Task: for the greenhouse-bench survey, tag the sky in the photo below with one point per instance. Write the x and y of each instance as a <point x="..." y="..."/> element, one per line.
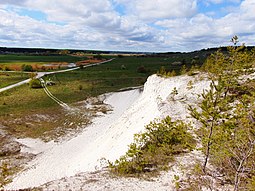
<point x="126" y="25"/>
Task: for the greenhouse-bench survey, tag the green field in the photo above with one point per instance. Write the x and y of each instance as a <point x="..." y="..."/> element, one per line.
<point x="20" y="103"/>
<point x="11" y="78"/>
<point x="78" y="85"/>
<point x="15" y="62"/>
<point x="21" y="59"/>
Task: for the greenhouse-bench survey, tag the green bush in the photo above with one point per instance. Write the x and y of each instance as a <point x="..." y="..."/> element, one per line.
<point x="6" y="68"/>
<point x="80" y="87"/>
<point x="35" y="83"/>
<point x="164" y="73"/>
<point x="4" y="175"/>
<point x="155" y="148"/>
<point x="27" y="68"/>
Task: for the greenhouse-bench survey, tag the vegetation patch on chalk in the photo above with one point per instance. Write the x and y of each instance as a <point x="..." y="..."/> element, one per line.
<point x="154" y="149"/>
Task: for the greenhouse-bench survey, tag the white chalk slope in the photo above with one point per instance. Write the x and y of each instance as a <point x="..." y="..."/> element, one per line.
<point x="109" y="136"/>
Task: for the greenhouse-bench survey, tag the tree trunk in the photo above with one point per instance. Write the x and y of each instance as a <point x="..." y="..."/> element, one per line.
<point x="208" y="147"/>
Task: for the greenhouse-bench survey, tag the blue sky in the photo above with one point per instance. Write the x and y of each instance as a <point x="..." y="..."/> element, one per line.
<point x="129" y="25"/>
<point x="214" y="10"/>
<point x="37" y="15"/>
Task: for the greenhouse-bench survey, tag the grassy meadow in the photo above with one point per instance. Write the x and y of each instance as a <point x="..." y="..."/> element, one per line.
<point x="11" y="78"/>
<point x="15" y="61"/>
<point x="77" y="85"/>
<point x="71" y="87"/>
<point x="21" y="59"/>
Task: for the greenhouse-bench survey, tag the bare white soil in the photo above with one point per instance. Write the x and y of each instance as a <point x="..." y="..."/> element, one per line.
<point x="108" y="138"/>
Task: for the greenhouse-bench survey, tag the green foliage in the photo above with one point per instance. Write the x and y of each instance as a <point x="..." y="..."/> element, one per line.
<point x="4" y="175"/>
<point x="236" y="156"/>
<point x="164" y="73"/>
<point x="155" y="148"/>
<point x="227" y="118"/>
<point x="213" y="111"/>
<point x="32" y="75"/>
<point x="174" y="93"/>
<point x="193" y="70"/>
<point x="6" y="68"/>
<point x="27" y="68"/>
<point x="35" y="83"/>
<point x="96" y="80"/>
<point x="98" y="56"/>
<point x="190" y="85"/>
<point x="40" y="59"/>
<point x="195" y="61"/>
<point x="80" y="87"/>
<point x="251" y="184"/>
<point x="64" y="52"/>
<point x="183" y="70"/>
<point x="176" y="180"/>
<point x="7" y="78"/>
<point x="238" y="60"/>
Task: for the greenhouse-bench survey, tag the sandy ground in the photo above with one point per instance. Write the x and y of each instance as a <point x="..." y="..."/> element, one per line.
<point x="103" y="181"/>
<point x="69" y="165"/>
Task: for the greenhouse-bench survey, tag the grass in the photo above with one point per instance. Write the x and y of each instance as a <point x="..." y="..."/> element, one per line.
<point x="11" y="78"/>
<point x="105" y="78"/>
<point x="94" y="81"/>
<point x="14" y="62"/>
<point x="26" y="59"/>
<point x="72" y="87"/>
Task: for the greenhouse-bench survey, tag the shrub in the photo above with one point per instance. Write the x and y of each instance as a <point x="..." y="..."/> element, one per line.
<point x="35" y="83"/>
<point x="80" y="87"/>
<point x="123" y="67"/>
<point x="155" y="148"/>
<point x="6" y="68"/>
<point x="174" y="92"/>
<point x="164" y="73"/>
<point x="190" y="85"/>
<point x="4" y="174"/>
<point x="32" y="75"/>
<point x="27" y="68"/>
<point x="183" y="70"/>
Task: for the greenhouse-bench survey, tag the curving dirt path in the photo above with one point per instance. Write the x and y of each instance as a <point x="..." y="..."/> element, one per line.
<point x="58" y="101"/>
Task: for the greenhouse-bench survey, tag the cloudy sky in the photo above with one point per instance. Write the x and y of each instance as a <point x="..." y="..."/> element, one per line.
<point x="129" y="25"/>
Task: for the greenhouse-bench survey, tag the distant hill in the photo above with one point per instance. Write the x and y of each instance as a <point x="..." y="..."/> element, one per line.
<point x="46" y="51"/>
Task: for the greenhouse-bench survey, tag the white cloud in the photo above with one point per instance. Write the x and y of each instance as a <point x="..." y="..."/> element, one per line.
<point x="221" y="1"/>
<point x="160" y="9"/>
<point x="247" y="9"/>
<point x="202" y="31"/>
<point x="12" y="2"/>
<point x="147" y="25"/>
<point x="70" y="10"/>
